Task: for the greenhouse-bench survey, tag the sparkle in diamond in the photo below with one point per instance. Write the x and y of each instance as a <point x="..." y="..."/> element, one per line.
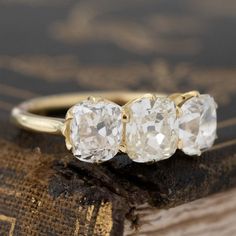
<point x="197" y="125"/>
<point x="96" y="130"/>
<point x="152" y="131"/>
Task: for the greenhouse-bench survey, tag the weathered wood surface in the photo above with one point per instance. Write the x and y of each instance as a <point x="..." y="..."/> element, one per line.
<point x="214" y="215"/>
<point x="52" y="193"/>
<point x="164" y="46"/>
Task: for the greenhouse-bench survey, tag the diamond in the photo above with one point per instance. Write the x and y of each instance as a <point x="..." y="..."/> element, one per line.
<point x="96" y="130"/>
<point x="152" y="130"/>
<point x="197" y="124"/>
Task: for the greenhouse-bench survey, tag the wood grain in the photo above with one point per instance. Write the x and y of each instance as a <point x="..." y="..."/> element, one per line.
<point x="214" y="215"/>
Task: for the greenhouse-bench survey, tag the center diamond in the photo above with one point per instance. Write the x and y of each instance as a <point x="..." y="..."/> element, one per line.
<point x="152" y="130"/>
<point x="96" y="130"/>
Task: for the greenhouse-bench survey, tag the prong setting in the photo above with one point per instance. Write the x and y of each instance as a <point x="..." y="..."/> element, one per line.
<point x="66" y="128"/>
<point x="180" y="144"/>
<point x="93" y="129"/>
<point x="126" y="119"/>
<point x="123" y="148"/>
<point x="148" y="137"/>
<point x="178" y="111"/>
<point x="181" y="98"/>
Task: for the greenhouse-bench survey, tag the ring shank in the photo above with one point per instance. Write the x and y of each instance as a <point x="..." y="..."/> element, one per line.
<point x="25" y="115"/>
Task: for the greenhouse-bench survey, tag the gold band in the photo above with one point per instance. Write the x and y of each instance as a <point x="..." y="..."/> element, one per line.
<point x="26" y="115"/>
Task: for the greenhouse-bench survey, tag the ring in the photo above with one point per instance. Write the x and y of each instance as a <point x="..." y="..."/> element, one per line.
<point x="149" y="127"/>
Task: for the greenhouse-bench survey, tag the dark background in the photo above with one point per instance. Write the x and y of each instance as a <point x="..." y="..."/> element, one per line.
<point x="57" y="46"/>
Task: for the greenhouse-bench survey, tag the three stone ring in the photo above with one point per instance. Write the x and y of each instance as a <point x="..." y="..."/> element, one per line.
<point x="147" y="127"/>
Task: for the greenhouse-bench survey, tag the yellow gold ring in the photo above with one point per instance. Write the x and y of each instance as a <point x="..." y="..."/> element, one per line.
<point x="148" y="127"/>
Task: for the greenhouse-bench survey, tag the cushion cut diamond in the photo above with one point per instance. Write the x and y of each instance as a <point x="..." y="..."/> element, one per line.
<point x="197" y="124"/>
<point x="152" y="130"/>
<point x="96" y="130"/>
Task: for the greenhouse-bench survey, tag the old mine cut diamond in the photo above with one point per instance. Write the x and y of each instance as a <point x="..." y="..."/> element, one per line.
<point x="152" y="130"/>
<point x="96" y="130"/>
<point x="197" y="124"/>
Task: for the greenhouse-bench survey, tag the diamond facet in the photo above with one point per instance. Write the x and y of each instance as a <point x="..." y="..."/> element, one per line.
<point x="197" y="124"/>
<point x="152" y="130"/>
<point x="96" y="130"/>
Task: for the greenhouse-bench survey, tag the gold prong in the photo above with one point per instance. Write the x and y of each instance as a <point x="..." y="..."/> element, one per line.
<point x="65" y="130"/>
<point x="193" y="93"/>
<point x="69" y="114"/>
<point x="180" y="144"/>
<point x="92" y="99"/>
<point x="66" y="133"/>
<point x="125" y="120"/>
<point x="179" y="112"/>
<point x="149" y="95"/>
<point x="68" y="145"/>
<point x="125" y="117"/>
<point x="123" y="148"/>
<point x="180" y="98"/>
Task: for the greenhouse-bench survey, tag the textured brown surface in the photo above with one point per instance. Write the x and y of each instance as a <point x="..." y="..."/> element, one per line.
<point x="213" y="215"/>
<point x="53" y="47"/>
